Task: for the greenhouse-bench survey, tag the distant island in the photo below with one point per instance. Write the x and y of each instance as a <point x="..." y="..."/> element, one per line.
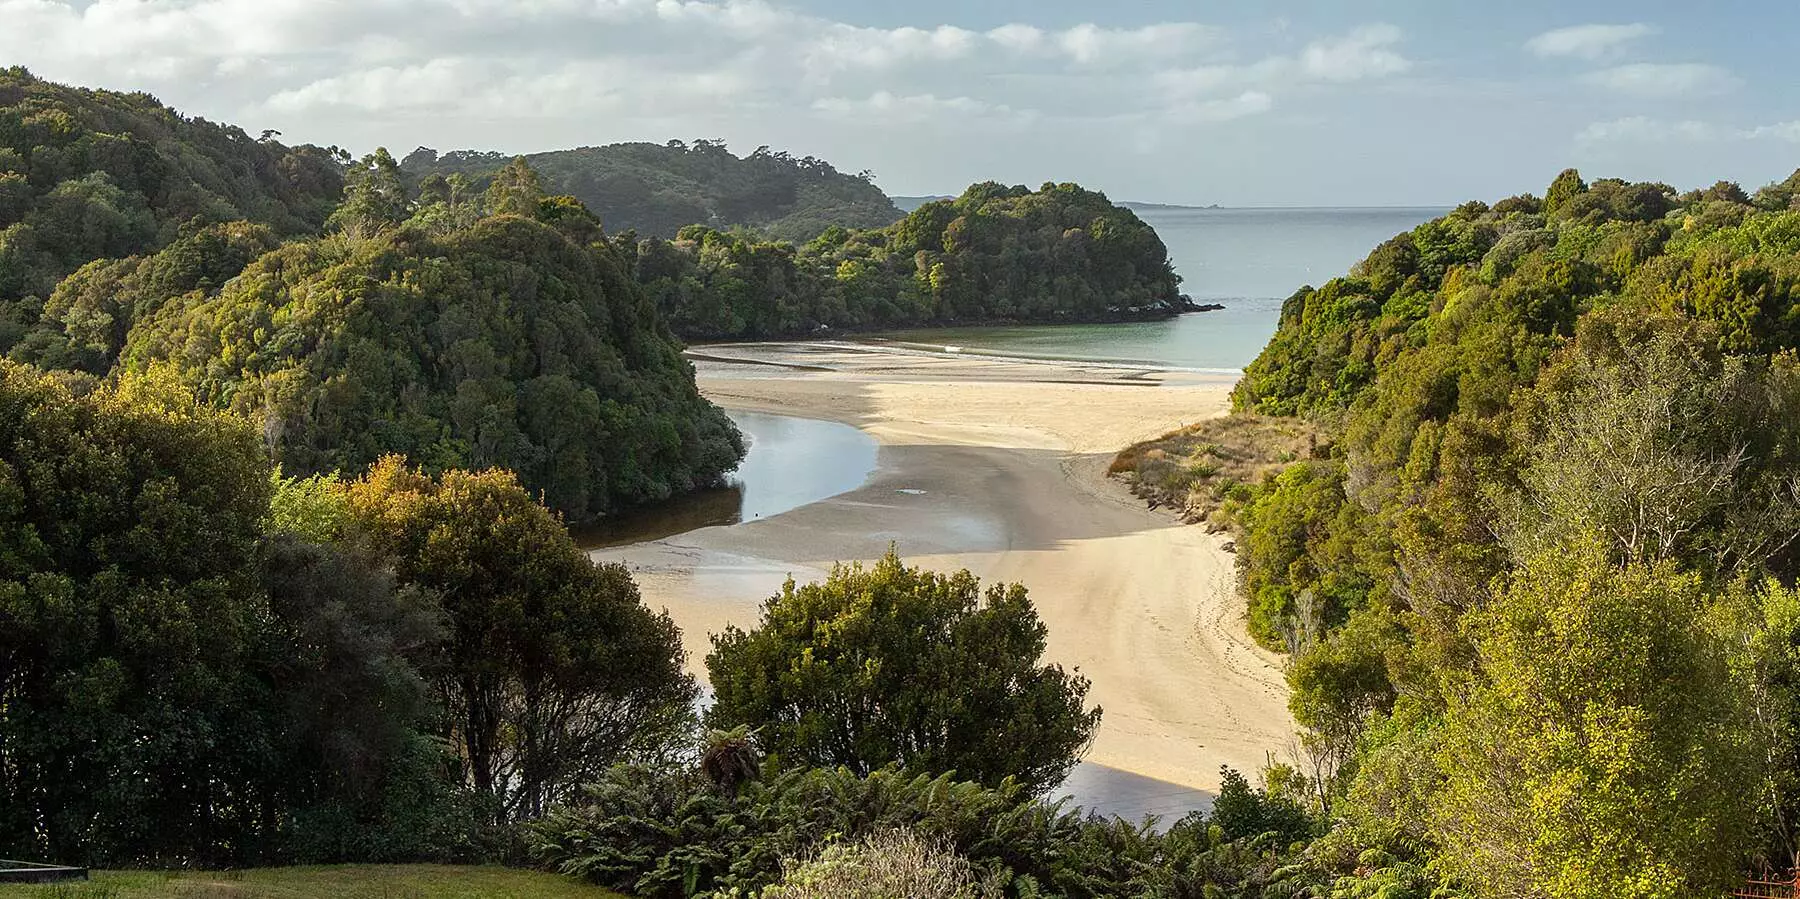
<point x="996" y="254"/>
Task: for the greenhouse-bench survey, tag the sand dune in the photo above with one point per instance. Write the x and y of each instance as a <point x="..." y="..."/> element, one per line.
<point x="999" y="467"/>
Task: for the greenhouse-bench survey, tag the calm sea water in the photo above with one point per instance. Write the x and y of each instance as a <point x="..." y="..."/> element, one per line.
<point x="1249" y="260"/>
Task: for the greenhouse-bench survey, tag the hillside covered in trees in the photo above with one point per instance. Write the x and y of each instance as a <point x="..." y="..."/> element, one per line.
<point x="503" y="333"/>
<point x="348" y="314"/>
<point x="996" y="253"/>
<point x="93" y="174"/>
<point x="658" y="189"/>
<point x="1536" y="570"/>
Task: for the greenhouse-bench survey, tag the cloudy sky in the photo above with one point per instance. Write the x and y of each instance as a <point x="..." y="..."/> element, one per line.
<point x="1239" y="103"/>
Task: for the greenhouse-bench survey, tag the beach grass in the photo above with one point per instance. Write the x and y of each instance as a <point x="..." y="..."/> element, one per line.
<point x="335" y="882"/>
<point x="1200" y="470"/>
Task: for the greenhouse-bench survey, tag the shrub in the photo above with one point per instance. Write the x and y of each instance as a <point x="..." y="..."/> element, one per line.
<point x="884" y="865"/>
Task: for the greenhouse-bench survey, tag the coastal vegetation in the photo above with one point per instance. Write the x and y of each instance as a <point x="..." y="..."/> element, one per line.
<point x="88" y="175"/>
<point x="499" y="332"/>
<point x="347" y="313"/>
<point x="1535" y="573"/>
<point x="996" y="253"/>
<point x="658" y="189"/>
<point x="890" y="664"/>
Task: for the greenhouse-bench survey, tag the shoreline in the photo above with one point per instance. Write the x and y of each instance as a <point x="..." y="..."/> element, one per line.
<point x="999" y="466"/>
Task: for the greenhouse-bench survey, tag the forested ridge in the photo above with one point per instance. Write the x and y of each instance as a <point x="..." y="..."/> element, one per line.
<point x="994" y="254"/>
<point x="94" y="174"/>
<point x="1536" y="568"/>
<point x="658" y="189"/>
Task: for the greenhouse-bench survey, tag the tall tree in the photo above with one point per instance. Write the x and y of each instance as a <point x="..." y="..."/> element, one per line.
<point x="551" y="668"/>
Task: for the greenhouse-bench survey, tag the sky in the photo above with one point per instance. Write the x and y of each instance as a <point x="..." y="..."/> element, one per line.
<point x="1422" y="102"/>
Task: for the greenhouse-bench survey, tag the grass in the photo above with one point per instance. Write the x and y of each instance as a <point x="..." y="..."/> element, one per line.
<point x="1199" y="470"/>
<point x="347" y="882"/>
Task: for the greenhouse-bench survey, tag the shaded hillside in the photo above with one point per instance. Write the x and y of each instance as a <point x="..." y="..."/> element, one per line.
<point x="658" y="189"/>
<point x="92" y="174"/>
<point x="997" y="253"/>
<point x="501" y="335"/>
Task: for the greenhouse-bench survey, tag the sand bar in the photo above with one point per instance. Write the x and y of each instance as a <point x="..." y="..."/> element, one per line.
<point x="999" y="467"/>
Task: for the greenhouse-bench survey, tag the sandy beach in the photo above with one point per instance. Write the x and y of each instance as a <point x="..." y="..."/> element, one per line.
<point x="998" y="466"/>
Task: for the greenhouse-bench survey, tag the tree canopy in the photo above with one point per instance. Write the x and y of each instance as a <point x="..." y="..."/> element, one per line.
<point x="889" y="664"/>
<point x="92" y="174"/>
<point x="997" y="253"/>
<point x="659" y="189"/>
<point x="1534" y="564"/>
<point x="459" y="341"/>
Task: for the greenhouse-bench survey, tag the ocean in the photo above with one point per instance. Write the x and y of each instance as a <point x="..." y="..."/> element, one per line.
<point x="1248" y="260"/>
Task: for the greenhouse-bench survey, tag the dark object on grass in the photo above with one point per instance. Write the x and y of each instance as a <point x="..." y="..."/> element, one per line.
<point x="29" y="872"/>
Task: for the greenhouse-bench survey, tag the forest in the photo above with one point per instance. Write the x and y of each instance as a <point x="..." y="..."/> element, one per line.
<point x="1534" y="557"/>
<point x="994" y="254"/>
<point x="658" y="189"/>
<point x="349" y="314"/>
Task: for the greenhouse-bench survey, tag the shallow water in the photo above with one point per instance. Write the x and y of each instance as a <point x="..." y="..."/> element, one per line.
<point x="792" y="462"/>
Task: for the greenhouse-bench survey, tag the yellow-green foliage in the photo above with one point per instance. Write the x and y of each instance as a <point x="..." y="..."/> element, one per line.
<point x="1606" y="752"/>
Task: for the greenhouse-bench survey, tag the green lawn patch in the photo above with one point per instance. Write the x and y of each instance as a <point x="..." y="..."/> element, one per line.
<point x="338" y="882"/>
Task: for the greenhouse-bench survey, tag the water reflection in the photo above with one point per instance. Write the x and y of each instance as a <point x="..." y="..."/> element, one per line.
<point x="792" y="462"/>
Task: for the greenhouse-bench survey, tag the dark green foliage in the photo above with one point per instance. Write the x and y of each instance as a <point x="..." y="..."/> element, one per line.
<point x="132" y="726"/>
<point x="658" y="189"/>
<point x="88" y="175"/>
<point x="662" y="836"/>
<point x="363" y="782"/>
<point x="895" y="665"/>
<point x="549" y="668"/>
<point x="1241" y="812"/>
<point x="509" y="342"/>
<point x="1061" y="254"/>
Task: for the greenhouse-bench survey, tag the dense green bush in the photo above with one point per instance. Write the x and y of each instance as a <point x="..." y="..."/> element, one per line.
<point x="1603" y="376"/>
<point x="90" y="174"/>
<point x="658" y="189"/>
<point x="895" y="665"/>
<point x="997" y="253"/>
<point x="508" y="341"/>
<point x="661" y="835"/>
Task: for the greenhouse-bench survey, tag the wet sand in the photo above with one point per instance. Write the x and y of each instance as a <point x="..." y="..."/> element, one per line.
<point x="999" y="467"/>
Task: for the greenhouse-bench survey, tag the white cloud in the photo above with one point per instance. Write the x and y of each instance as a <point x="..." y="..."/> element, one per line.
<point x="1223" y="109"/>
<point x="1642" y="129"/>
<point x="1591" y="42"/>
<point x="1091" y="44"/>
<point x="1366" y="52"/>
<point x="847" y="46"/>
<point x="490" y="89"/>
<point x="886" y="107"/>
<point x="520" y="75"/>
<point x="1666" y="80"/>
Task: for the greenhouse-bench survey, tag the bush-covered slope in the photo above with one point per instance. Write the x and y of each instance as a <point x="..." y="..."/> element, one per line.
<point x="507" y="342"/>
<point x="91" y="174"/>
<point x="997" y="253"/>
<point x="1533" y="570"/>
<point x="658" y="189"/>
